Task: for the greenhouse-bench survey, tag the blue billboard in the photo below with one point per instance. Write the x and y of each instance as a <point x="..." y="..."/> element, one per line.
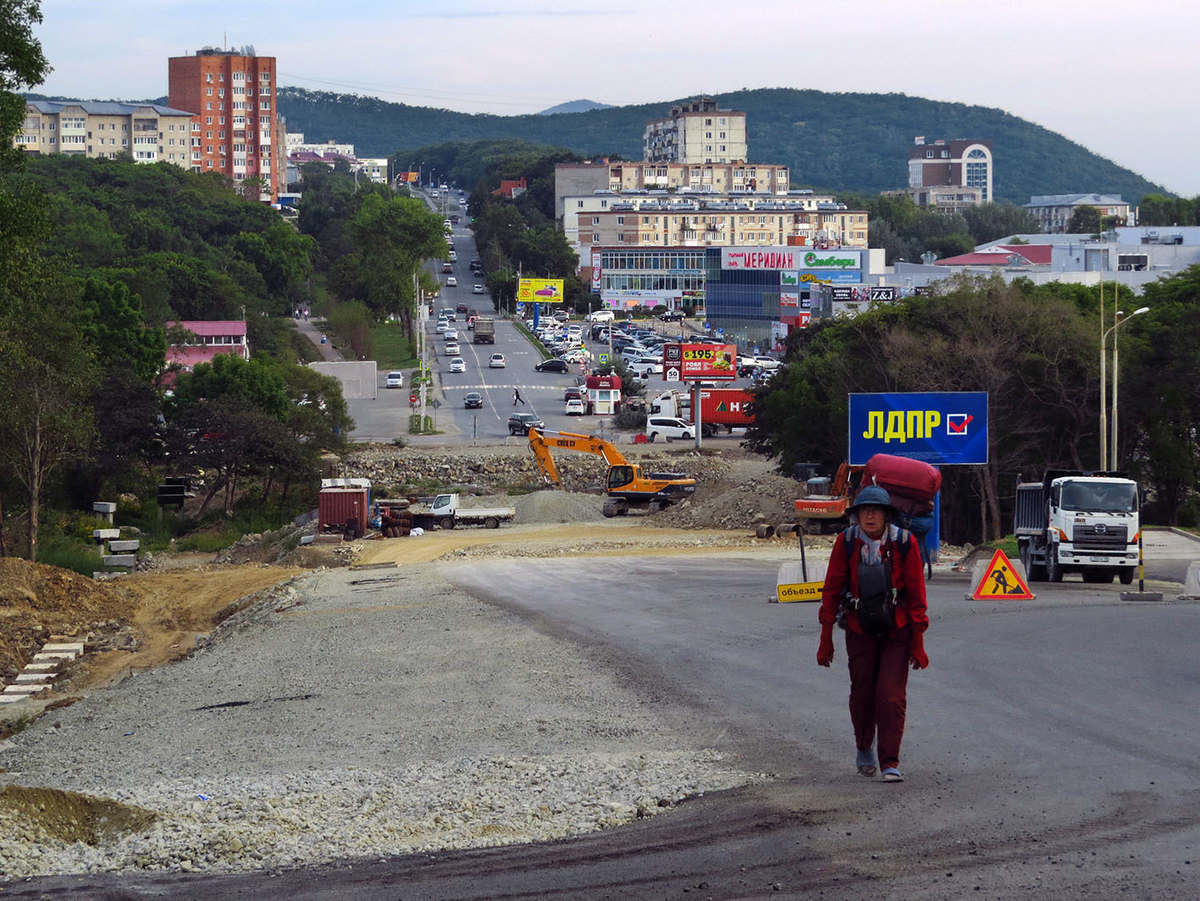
<point x="941" y="427"/>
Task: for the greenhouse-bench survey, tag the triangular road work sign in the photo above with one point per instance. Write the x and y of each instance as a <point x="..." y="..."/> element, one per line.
<point x="1001" y="582"/>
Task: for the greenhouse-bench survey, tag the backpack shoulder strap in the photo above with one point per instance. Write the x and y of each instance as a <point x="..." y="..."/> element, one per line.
<point x="848" y="535"/>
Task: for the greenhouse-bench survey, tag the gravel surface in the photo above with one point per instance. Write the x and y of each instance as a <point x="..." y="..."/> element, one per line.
<point x="347" y="714"/>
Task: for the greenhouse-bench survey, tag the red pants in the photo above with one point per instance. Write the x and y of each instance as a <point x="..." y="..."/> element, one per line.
<point x="878" y="680"/>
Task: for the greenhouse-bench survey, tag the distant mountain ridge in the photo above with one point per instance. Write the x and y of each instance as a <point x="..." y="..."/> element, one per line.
<point x="575" y="106"/>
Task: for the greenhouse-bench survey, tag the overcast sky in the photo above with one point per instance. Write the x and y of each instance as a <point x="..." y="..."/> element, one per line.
<point x="1120" y="79"/>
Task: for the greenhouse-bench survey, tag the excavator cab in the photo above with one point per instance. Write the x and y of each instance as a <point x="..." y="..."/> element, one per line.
<point x="619" y="477"/>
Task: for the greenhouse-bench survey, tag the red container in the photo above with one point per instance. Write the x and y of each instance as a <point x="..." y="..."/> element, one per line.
<point x="335" y="506"/>
<point x="912" y="484"/>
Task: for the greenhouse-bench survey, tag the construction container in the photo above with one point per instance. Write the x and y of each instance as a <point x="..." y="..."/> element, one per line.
<point x="343" y="510"/>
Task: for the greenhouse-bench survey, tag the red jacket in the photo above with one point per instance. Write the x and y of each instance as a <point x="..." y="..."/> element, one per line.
<point x="908" y="578"/>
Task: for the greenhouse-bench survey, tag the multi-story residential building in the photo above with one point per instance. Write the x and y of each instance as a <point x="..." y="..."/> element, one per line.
<point x="951" y="164"/>
<point x="580" y="213"/>
<point x="1054" y="211"/>
<point x="946" y="199"/>
<point x="576" y="179"/>
<point x="235" y="130"/>
<point x="676" y="223"/>
<point x="696" y="132"/>
<point x="145" y="132"/>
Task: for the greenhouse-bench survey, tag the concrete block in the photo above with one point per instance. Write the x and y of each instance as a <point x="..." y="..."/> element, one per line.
<point x="104" y="507"/>
<point x="35" y="678"/>
<point x="43" y="656"/>
<point x="105" y="534"/>
<point x="12" y="699"/>
<point x="76" y="646"/>
<point x="118" y="559"/>
<point x="25" y="689"/>
<point x="49" y="666"/>
<point x="1191" y="583"/>
<point x="120" y="547"/>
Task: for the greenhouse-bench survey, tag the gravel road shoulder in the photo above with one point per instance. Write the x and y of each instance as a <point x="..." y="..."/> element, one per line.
<point x="349" y="714"/>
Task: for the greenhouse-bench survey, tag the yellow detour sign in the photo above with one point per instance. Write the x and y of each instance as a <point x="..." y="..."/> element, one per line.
<point x="1001" y="582"/>
<point x="792" y="584"/>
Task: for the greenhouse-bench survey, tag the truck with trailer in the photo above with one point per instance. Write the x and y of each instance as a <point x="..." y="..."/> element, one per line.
<point x="485" y="330"/>
<point x="720" y="408"/>
<point x="1075" y="521"/>
<point x="443" y="511"/>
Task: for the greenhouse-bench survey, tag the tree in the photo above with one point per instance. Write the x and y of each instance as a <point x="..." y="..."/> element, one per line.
<point x="1085" y="220"/>
<point x="111" y="319"/>
<point x="22" y="65"/>
<point x="991" y="221"/>
<point x="229" y="379"/>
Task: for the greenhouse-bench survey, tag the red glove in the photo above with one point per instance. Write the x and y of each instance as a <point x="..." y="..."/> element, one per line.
<point x="916" y="650"/>
<point x="825" y="650"/>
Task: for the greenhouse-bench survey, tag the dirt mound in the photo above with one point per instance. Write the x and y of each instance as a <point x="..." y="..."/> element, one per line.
<point x="37" y="601"/>
<point x="554" y="506"/>
<point x="69" y="816"/>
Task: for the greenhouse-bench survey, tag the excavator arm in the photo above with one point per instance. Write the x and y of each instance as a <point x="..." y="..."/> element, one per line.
<point x="541" y="440"/>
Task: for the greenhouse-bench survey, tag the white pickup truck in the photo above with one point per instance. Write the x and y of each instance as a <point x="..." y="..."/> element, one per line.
<point x="444" y="512"/>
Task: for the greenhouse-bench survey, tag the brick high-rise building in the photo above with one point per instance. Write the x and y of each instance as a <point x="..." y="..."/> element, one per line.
<point x="235" y="129"/>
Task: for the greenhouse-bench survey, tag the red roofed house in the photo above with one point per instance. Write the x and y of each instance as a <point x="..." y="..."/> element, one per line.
<point x="1005" y="256"/>
<point x="217" y="336"/>
<point x="510" y="188"/>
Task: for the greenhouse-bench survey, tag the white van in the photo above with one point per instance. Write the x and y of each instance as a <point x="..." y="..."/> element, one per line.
<point x="601" y="316"/>
<point x="667" y="427"/>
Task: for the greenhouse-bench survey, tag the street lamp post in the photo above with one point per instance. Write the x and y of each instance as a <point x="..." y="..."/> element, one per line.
<point x="1117" y="322"/>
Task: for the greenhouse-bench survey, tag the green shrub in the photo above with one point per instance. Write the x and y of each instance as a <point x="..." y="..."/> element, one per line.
<point x="69" y="553"/>
<point x="629" y="421"/>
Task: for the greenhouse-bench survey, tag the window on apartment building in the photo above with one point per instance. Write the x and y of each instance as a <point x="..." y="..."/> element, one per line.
<point x="208" y="105"/>
<point x="221" y="76"/>
<point x="620" y="220"/>
<point x="595" y="237"/>
<point x="220" y="120"/>
<point x="220" y="135"/>
<point x="239" y="104"/>
<point x="220" y="105"/>
<point x="708" y="135"/>
<point x="208" y="134"/>
<point x="264" y="105"/>
<point x="208" y="92"/>
<point x="208" y="77"/>
<point x="208" y="149"/>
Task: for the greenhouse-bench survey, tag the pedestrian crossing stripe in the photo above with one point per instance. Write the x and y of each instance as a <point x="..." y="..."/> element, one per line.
<point x="1000" y="582"/>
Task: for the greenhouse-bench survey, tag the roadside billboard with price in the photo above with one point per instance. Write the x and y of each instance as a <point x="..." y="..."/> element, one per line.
<point x="695" y="362"/>
<point x="540" y="290"/>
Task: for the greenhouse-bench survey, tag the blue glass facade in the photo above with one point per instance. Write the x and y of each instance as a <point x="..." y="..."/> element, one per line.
<point x="744" y="303"/>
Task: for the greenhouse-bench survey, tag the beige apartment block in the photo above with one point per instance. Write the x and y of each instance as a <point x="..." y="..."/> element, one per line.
<point x="723" y="224"/>
<point x="144" y="132"/>
<point x="577" y="179"/>
<point x="696" y="131"/>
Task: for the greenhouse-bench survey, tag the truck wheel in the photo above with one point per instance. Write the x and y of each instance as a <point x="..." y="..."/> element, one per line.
<point x="1033" y="571"/>
<point x="1054" y="572"/>
<point x="1125" y="574"/>
<point x="491" y="523"/>
<point x="446" y="522"/>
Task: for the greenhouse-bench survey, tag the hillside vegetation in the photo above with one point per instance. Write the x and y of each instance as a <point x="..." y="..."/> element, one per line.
<point x="831" y="141"/>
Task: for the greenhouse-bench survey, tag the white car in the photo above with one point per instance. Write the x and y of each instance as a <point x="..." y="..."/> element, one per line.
<point x="451" y="282"/>
<point x="496" y="361"/>
<point x="394" y="380"/>
<point x="575" y="356"/>
<point x="458" y="364"/>
<point x="451" y="349"/>
<point x="645" y="369"/>
<point x="477" y="289"/>
<point x="667" y="427"/>
<point x="450" y="334"/>
<point x="601" y="316"/>
<point x="575" y="407"/>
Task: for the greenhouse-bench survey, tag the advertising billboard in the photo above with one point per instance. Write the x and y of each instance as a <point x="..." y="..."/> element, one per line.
<point x="940" y="427"/>
<point x="699" y="362"/>
<point x="540" y="290"/>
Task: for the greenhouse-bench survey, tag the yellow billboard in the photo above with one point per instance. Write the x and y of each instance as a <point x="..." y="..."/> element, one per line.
<point x="540" y="290"/>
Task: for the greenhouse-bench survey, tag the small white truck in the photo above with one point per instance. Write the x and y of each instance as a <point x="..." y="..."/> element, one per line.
<point x="444" y="512"/>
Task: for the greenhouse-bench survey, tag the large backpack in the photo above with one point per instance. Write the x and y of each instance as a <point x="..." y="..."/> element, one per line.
<point x="912" y="485"/>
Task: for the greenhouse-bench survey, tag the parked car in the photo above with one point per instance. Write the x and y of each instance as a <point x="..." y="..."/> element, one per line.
<point x="601" y="316"/>
<point x="562" y="315"/>
<point x="496" y="361"/>
<point x="575" y="407"/>
<point x="667" y="427"/>
<point x="521" y="423"/>
<point x="394" y="380"/>
<point x="451" y="349"/>
<point x="575" y="356"/>
<point x="477" y="289"/>
<point x="473" y="401"/>
<point x="573" y="391"/>
<point x="458" y="364"/>
<point x="551" y="366"/>
<point x="673" y="316"/>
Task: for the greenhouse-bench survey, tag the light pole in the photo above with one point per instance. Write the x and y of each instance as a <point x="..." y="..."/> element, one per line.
<point x="1116" y="372"/>
<point x="1117" y="323"/>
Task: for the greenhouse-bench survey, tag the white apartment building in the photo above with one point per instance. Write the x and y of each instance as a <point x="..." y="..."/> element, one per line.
<point x="696" y="132"/>
<point x="1054" y="211"/>
<point x="144" y="132"/>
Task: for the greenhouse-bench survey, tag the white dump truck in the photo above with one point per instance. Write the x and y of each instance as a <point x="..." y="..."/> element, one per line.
<point x="1080" y="522"/>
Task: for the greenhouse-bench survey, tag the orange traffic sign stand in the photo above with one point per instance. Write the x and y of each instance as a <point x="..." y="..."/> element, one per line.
<point x="1001" y="582"/>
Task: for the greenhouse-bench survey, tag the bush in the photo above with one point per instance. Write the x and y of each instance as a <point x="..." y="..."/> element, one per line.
<point x="629" y="421"/>
<point x="66" y="553"/>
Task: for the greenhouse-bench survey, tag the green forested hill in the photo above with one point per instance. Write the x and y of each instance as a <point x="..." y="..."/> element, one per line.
<point x="832" y="141"/>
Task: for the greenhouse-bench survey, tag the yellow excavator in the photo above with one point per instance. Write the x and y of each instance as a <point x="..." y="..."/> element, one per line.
<point x="627" y="486"/>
